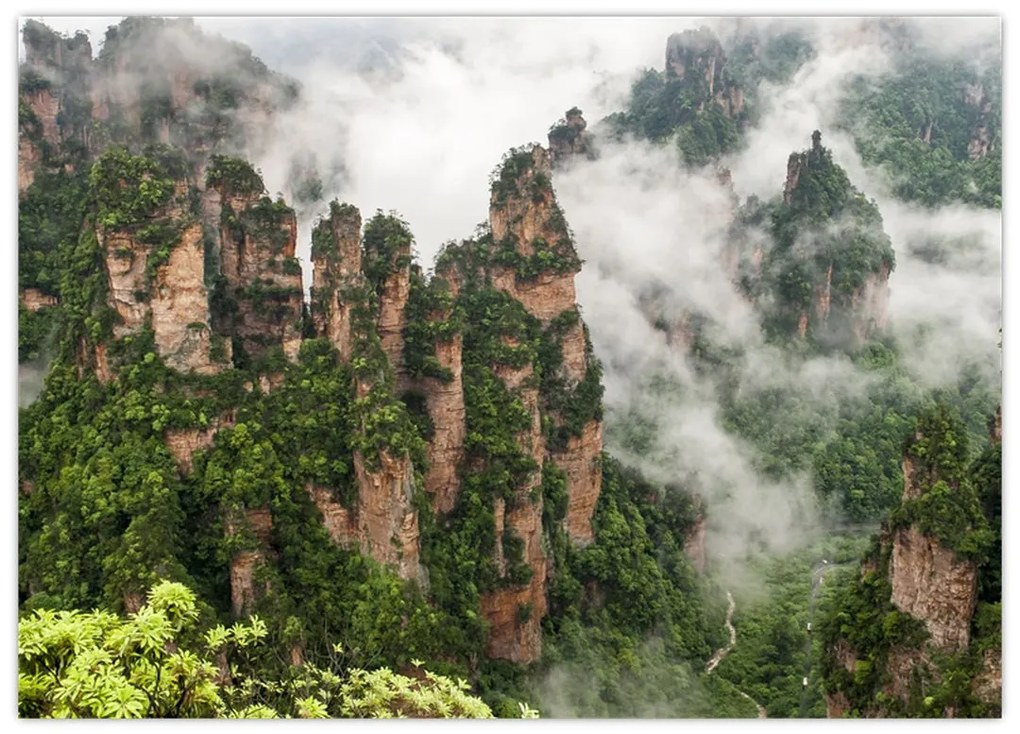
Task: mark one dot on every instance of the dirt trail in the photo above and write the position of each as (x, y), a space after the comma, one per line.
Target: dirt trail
(722, 652)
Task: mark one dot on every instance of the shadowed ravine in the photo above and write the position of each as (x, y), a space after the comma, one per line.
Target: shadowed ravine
(722, 652)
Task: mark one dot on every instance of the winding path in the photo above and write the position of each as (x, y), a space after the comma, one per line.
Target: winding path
(722, 652)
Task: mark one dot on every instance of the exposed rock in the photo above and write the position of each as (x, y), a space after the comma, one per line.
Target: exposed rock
(180, 306)
(128, 289)
(575, 352)
(184, 442)
(515, 613)
(987, 685)
(569, 138)
(29, 157)
(545, 297)
(694, 544)
(581, 461)
(336, 260)
(45, 106)
(445, 404)
(34, 299)
(245, 564)
(258, 239)
(836, 705)
(341, 523)
(931, 584)
(392, 302)
(387, 520)
(698, 57)
(905, 666)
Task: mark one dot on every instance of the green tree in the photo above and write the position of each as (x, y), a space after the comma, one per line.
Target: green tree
(156, 663)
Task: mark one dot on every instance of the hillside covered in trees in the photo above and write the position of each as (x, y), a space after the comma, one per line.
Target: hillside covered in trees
(275, 462)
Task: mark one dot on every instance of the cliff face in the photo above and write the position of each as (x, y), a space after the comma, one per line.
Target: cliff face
(387, 521)
(847, 300)
(933, 585)
(929, 583)
(515, 612)
(258, 239)
(170, 296)
(697, 55)
(245, 588)
(569, 138)
(336, 262)
(444, 400)
(524, 215)
(193, 250)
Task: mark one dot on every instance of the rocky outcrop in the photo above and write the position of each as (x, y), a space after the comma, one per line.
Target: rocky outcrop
(931, 584)
(340, 522)
(396, 288)
(445, 405)
(29, 157)
(180, 306)
(34, 299)
(184, 442)
(525, 216)
(387, 520)
(128, 290)
(581, 461)
(569, 139)
(696, 56)
(987, 684)
(694, 543)
(844, 309)
(258, 240)
(45, 106)
(515, 612)
(245, 588)
(336, 261)
(980, 143)
(836, 705)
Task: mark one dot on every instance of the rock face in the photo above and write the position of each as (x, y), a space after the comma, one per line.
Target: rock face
(515, 613)
(387, 520)
(180, 306)
(838, 312)
(698, 55)
(581, 461)
(445, 405)
(258, 239)
(694, 544)
(569, 139)
(244, 566)
(172, 297)
(980, 144)
(392, 302)
(336, 258)
(33, 299)
(929, 583)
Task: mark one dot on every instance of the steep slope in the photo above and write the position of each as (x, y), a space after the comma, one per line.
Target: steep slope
(909, 637)
(822, 272)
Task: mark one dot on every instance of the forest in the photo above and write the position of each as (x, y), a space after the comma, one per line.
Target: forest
(276, 460)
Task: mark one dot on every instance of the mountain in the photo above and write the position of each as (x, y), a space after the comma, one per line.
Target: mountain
(383, 464)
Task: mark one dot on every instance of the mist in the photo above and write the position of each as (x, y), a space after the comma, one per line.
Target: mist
(413, 115)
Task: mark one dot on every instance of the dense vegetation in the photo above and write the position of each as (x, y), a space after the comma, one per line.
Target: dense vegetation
(110, 518)
(858, 615)
(158, 664)
(934, 126)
